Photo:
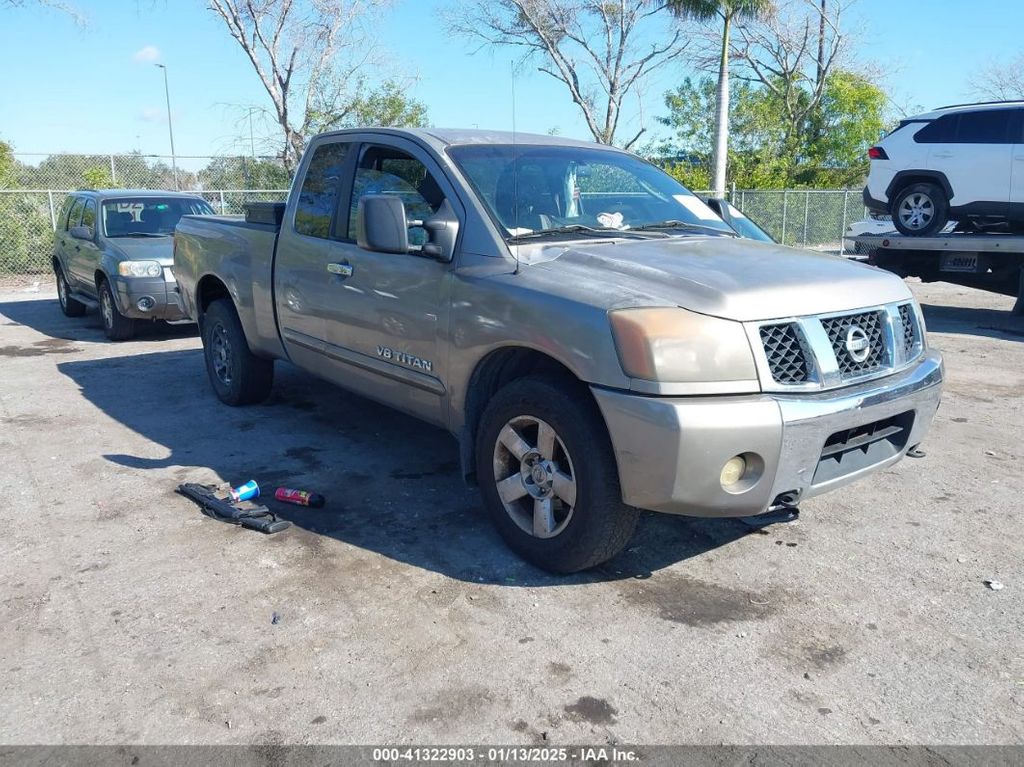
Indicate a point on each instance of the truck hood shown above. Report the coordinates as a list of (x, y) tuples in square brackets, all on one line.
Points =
[(143, 249), (727, 277)]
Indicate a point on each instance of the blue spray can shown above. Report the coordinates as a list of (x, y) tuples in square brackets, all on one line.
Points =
[(245, 492)]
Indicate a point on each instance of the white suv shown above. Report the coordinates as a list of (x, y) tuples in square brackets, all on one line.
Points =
[(962, 163)]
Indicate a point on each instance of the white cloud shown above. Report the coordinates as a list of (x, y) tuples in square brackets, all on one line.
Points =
[(148, 55)]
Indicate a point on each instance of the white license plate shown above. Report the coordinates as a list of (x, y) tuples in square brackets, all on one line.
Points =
[(959, 262)]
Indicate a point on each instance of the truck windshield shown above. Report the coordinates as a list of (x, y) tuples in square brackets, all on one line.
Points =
[(572, 190), (149, 216)]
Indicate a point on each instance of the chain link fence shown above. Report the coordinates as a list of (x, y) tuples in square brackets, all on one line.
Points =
[(32, 200)]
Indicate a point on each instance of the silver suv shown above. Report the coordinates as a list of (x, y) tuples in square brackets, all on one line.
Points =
[(962, 163)]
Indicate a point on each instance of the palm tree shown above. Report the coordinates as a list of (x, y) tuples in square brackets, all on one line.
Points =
[(727, 11)]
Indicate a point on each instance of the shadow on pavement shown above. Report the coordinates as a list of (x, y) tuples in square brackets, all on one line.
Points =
[(392, 483), (966, 320), (44, 316)]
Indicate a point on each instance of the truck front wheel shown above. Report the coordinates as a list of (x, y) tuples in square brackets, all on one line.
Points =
[(548, 475), (238, 376)]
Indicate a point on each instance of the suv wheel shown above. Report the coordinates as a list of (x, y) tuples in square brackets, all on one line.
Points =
[(548, 475), (920, 210), (238, 376), (68, 305), (115, 325)]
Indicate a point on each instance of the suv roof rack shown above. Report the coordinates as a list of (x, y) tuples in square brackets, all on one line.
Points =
[(982, 103)]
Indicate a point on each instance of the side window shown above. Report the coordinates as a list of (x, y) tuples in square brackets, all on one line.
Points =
[(989, 126), (941, 131), (383, 170), (65, 209), (89, 215), (76, 213), (318, 198)]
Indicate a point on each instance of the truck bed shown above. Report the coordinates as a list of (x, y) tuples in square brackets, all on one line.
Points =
[(240, 253)]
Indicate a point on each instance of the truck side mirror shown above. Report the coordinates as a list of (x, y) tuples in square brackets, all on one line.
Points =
[(381, 225), (443, 228), (81, 232)]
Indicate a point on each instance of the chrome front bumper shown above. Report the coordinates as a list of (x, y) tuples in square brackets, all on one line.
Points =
[(670, 451), (167, 304)]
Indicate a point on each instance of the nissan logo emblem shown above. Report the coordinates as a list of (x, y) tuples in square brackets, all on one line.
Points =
[(857, 345)]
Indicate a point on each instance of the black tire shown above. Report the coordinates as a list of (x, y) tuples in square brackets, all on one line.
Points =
[(920, 210), (115, 325), (68, 305), (597, 525), (237, 375)]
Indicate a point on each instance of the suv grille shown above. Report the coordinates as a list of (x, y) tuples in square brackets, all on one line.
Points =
[(909, 332), (785, 354), (838, 328)]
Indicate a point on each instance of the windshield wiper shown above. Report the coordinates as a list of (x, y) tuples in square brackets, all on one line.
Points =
[(674, 223), (140, 234), (579, 229)]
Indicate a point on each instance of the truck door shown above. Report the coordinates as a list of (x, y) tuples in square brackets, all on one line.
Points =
[(303, 290), (388, 309)]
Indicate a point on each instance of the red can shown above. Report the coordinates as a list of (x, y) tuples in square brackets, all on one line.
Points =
[(299, 497)]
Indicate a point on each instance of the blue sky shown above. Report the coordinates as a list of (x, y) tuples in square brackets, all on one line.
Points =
[(95, 89)]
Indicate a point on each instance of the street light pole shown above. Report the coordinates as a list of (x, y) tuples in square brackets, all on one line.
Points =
[(170, 128)]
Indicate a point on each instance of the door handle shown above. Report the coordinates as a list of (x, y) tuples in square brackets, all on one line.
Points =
[(943, 155), (342, 270)]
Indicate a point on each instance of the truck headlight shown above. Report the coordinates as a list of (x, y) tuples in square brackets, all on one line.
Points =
[(140, 269), (669, 344)]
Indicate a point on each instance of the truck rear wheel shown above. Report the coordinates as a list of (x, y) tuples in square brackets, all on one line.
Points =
[(238, 376), (548, 475)]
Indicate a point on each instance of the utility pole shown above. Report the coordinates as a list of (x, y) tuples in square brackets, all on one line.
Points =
[(170, 128)]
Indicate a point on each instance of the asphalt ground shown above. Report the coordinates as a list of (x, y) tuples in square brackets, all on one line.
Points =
[(395, 614)]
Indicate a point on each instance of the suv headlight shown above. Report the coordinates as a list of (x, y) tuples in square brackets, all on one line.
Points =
[(669, 344), (140, 269)]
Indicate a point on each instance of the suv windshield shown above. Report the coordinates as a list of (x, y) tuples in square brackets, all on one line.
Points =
[(571, 190), (149, 216)]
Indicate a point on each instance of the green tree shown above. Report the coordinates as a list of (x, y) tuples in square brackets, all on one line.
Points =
[(725, 11), (243, 173), (827, 149)]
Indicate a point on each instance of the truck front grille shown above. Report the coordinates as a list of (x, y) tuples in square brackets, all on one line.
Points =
[(786, 358), (818, 352), (839, 334), (858, 448), (909, 330)]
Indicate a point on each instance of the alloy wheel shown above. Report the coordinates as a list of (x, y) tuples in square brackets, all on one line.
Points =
[(534, 475), (916, 211), (220, 354)]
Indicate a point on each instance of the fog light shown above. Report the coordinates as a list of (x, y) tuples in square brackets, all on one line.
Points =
[(733, 471), (145, 304)]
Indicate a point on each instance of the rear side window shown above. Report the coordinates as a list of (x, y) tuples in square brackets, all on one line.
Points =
[(75, 215), (318, 198), (987, 127), (89, 215), (65, 209), (941, 131)]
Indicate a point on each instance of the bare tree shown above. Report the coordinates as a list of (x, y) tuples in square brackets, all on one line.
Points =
[(593, 47), (57, 5), (1000, 80), (311, 56)]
